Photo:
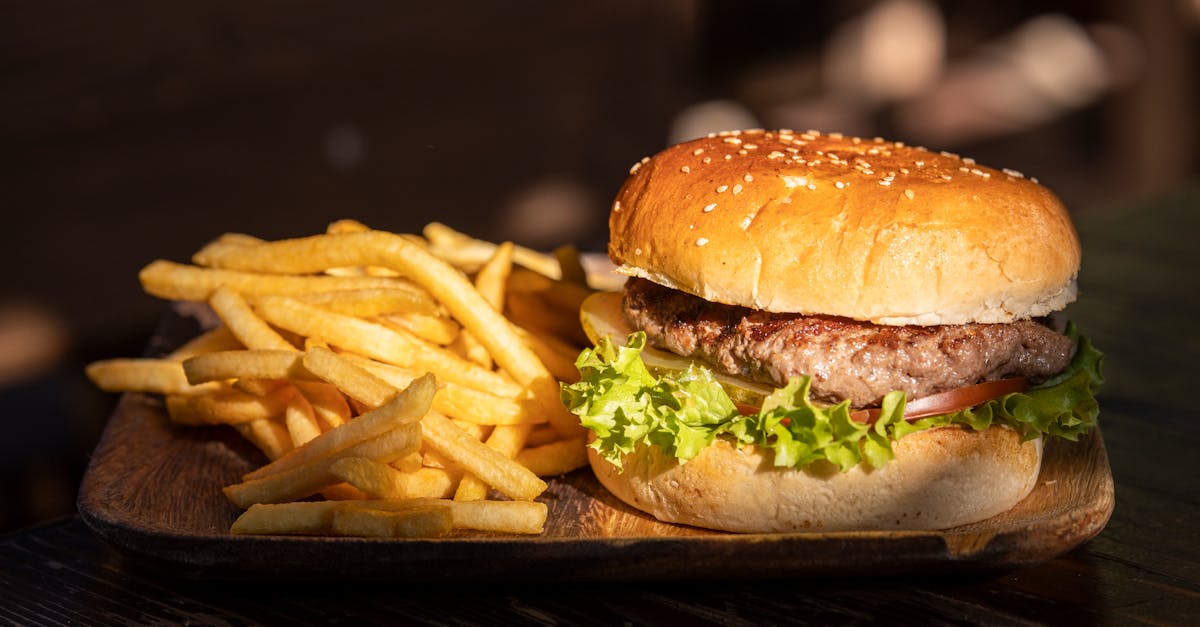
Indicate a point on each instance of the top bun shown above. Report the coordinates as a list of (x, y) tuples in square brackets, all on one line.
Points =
[(828, 224)]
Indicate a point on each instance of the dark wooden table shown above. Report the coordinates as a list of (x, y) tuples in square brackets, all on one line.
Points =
[(1140, 303)]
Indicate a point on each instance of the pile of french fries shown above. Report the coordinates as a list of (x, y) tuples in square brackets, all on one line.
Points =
[(409, 381)]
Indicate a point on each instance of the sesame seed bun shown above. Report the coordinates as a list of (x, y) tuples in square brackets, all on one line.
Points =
[(940, 478), (834, 225)]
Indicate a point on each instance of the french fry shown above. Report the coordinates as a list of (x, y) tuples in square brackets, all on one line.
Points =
[(300, 518), (404, 408), (499, 516), (248, 364), (559, 361), (380, 342), (375, 479), (244, 324), (456, 401), (498, 471), (327, 402), (469, 253), (490, 281), (556, 458), (156, 376), (218, 339), (507, 440), (311, 477), (435, 329), (367, 303), (430, 482), (418, 522), (300, 420), (571, 268), (269, 436), (529, 311), (564, 296), (408, 463), (227, 406), (176, 281), (352, 380)]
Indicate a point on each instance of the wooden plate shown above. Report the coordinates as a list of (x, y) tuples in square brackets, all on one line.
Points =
[(153, 489)]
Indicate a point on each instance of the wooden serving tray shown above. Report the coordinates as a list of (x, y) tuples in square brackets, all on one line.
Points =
[(153, 490)]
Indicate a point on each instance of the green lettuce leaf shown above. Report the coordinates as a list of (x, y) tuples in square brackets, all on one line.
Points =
[(682, 412)]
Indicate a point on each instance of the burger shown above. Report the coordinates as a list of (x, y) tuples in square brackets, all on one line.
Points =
[(824, 332)]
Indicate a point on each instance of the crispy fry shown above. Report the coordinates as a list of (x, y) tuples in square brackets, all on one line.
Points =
[(175, 281), (327, 402), (560, 362), (529, 311), (375, 479), (499, 516), (249, 364), (300, 420), (498, 471), (352, 380), (404, 408), (367, 303), (245, 325), (430, 482), (310, 477), (508, 440), (301, 518), (268, 435), (380, 342), (435, 329), (227, 406), (556, 458), (456, 401), (571, 268), (564, 296), (469, 253), (427, 520), (156, 376)]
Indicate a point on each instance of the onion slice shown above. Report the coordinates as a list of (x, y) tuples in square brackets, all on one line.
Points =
[(951, 401)]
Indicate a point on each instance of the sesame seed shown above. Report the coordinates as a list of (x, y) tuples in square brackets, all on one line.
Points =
[(908, 193), (751, 146), (774, 154), (709, 207), (737, 189), (697, 152), (706, 160), (732, 140), (812, 186), (794, 181), (637, 251), (743, 152), (728, 157), (701, 241), (835, 135), (685, 169), (1013, 173), (1033, 179), (968, 161), (721, 189), (839, 185), (885, 182), (904, 170), (746, 221), (748, 178), (920, 164), (617, 206)]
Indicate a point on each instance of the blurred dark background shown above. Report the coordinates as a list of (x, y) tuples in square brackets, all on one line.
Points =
[(136, 130)]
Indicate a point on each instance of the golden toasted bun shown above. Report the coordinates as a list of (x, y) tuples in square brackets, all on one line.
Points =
[(940, 478), (826, 224)]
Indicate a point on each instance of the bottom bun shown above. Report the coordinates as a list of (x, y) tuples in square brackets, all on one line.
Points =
[(940, 478)]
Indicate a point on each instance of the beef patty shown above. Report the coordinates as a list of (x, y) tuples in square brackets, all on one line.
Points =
[(847, 359)]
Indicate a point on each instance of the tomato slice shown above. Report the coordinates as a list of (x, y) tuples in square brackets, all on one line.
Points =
[(951, 401)]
